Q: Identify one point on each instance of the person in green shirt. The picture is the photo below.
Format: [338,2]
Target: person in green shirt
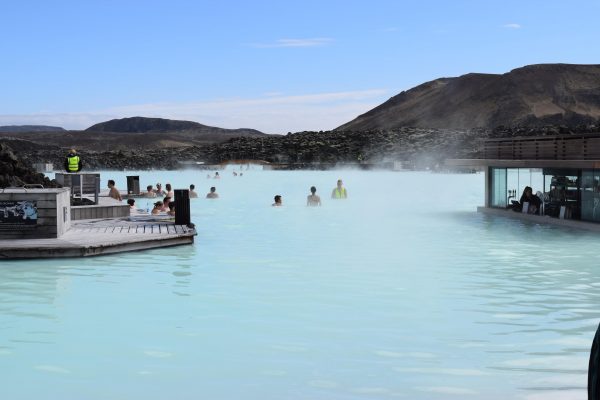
[339,192]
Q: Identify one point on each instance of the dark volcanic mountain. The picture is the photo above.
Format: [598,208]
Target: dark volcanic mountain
[161,125]
[535,95]
[30,128]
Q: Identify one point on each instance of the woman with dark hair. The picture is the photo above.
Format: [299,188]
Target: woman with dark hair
[528,197]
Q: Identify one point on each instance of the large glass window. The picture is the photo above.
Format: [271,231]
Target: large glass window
[498,191]
[590,195]
[562,195]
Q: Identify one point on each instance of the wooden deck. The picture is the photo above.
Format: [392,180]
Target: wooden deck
[102,236]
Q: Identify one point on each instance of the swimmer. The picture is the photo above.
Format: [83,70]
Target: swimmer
[212,194]
[193,194]
[278,202]
[339,192]
[157,208]
[170,192]
[166,202]
[171,209]
[312,199]
[149,192]
[159,190]
[114,192]
[217,176]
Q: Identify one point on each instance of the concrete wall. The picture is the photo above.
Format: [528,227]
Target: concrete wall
[52,210]
[95,212]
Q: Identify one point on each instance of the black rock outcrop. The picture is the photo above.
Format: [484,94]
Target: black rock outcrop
[15,172]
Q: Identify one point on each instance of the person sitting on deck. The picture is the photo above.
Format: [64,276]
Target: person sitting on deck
[339,192]
[149,192]
[528,197]
[213,193]
[157,208]
[114,192]
[193,194]
[313,199]
[73,162]
[166,202]
[171,209]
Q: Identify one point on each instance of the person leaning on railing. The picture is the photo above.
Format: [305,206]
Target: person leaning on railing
[73,162]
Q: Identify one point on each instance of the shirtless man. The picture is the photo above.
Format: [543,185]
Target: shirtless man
[193,193]
[278,202]
[312,199]
[149,192]
[114,192]
[213,193]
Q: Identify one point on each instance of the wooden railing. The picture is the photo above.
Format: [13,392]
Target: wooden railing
[572,147]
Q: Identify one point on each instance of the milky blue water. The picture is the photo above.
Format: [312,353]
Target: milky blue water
[401,291]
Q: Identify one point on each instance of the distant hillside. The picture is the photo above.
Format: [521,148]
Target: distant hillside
[136,133]
[160,125]
[30,128]
[535,95]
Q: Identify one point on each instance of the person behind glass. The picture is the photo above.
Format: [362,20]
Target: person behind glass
[277,200]
[528,197]
[73,162]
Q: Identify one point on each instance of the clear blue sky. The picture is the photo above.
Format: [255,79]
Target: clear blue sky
[277,66]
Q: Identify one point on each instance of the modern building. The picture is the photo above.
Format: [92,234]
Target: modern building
[563,170]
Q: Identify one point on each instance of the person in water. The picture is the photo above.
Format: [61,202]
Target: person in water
[114,192]
[166,202]
[217,176]
[340,191]
[212,194]
[157,208]
[171,211]
[312,199]
[159,190]
[278,202]
[193,194]
[149,192]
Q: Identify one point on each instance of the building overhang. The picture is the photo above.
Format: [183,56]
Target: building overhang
[575,164]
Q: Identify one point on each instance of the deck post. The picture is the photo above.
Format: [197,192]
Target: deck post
[182,207]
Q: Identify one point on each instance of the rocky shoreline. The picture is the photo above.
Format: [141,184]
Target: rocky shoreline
[418,147]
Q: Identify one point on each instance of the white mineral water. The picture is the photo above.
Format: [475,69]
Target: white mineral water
[401,291]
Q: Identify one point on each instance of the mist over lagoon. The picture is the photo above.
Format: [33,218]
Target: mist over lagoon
[400,290]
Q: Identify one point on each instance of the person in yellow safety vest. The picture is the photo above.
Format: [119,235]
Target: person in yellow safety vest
[340,191]
[73,162]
